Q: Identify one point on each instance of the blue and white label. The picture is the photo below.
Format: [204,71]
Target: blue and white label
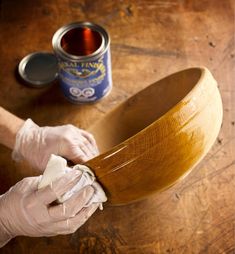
[86,81]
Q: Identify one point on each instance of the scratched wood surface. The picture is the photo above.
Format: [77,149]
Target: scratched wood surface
[150,39]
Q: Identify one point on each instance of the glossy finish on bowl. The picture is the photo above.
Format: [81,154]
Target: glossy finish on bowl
[157,136]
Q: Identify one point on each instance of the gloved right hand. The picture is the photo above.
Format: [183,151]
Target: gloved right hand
[25,210]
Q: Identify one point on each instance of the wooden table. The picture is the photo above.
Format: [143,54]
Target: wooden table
[150,39]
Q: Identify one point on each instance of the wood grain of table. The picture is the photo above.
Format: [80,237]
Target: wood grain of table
[149,40]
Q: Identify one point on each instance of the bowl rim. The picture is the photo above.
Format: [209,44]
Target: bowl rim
[204,72]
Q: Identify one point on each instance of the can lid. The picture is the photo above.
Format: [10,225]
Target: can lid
[39,69]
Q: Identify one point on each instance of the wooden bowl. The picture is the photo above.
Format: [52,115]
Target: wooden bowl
[157,136]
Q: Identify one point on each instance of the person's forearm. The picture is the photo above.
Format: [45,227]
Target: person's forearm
[9,126]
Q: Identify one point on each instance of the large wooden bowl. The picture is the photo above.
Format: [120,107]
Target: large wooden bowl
[157,136]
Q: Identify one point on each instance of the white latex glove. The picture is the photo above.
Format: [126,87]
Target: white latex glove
[25,210]
[36,144]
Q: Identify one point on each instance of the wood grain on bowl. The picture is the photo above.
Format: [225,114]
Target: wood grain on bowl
[157,136]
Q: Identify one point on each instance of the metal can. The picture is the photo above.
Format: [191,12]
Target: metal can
[84,61]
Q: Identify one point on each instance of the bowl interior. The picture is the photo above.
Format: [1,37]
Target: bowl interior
[144,108]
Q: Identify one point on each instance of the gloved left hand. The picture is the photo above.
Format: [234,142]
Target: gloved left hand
[25,210]
[36,144]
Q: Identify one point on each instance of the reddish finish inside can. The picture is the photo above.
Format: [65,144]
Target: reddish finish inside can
[81,41]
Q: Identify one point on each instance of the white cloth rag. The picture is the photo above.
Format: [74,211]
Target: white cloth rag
[57,166]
